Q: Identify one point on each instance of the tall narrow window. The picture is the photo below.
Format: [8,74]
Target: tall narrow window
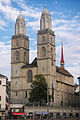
[17,43]
[43,52]
[24,56]
[30,76]
[52,55]
[16,94]
[26,94]
[0,82]
[0,98]
[17,55]
[0,106]
[43,38]
[51,40]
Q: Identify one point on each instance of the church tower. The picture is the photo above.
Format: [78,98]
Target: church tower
[46,56]
[19,57]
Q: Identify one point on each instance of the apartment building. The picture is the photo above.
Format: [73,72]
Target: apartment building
[3,95]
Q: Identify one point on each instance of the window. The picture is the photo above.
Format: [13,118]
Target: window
[7,90]
[30,76]
[6,99]
[52,55]
[16,83]
[0,97]
[17,43]
[0,82]
[6,107]
[14,110]
[43,52]
[51,40]
[16,94]
[0,106]
[61,103]
[17,55]
[43,38]
[24,56]
[26,94]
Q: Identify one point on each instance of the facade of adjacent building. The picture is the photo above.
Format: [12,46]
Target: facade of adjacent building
[77,94]
[23,73]
[3,95]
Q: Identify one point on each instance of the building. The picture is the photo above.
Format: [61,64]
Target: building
[3,95]
[23,73]
[77,95]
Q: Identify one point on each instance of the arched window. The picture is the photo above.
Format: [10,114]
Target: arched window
[17,55]
[43,38]
[30,76]
[51,40]
[43,52]
[17,43]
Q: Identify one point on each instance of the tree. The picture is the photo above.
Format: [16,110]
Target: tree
[38,92]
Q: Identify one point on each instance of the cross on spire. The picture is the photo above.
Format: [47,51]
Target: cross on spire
[45,5]
[20,12]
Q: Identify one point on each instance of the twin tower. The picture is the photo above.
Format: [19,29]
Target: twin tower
[23,73]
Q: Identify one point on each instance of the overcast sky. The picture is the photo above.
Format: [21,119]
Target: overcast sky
[65,16]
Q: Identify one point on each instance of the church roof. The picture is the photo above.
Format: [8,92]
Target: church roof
[58,69]
[20,17]
[33,64]
[2,75]
[45,11]
[63,71]
[78,77]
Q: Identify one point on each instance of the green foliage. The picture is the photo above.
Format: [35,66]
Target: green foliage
[38,92]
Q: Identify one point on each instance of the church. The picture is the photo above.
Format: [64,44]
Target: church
[23,73]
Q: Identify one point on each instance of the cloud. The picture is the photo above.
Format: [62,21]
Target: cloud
[29,11]
[7,2]
[8,11]
[2,24]
[32,55]
[34,24]
[5,59]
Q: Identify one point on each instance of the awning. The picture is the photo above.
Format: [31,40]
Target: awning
[45,113]
[38,113]
[17,113]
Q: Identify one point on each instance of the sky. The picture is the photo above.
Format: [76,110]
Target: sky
[65,16]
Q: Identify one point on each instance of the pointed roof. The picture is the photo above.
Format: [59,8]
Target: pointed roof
[45,21]
[45,11]
[58,69]
[1,75]
[62,57]
[20,17]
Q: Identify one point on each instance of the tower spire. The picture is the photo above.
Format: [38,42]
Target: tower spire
[62,57]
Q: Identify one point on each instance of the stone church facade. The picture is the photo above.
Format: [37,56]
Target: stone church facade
[23,73]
